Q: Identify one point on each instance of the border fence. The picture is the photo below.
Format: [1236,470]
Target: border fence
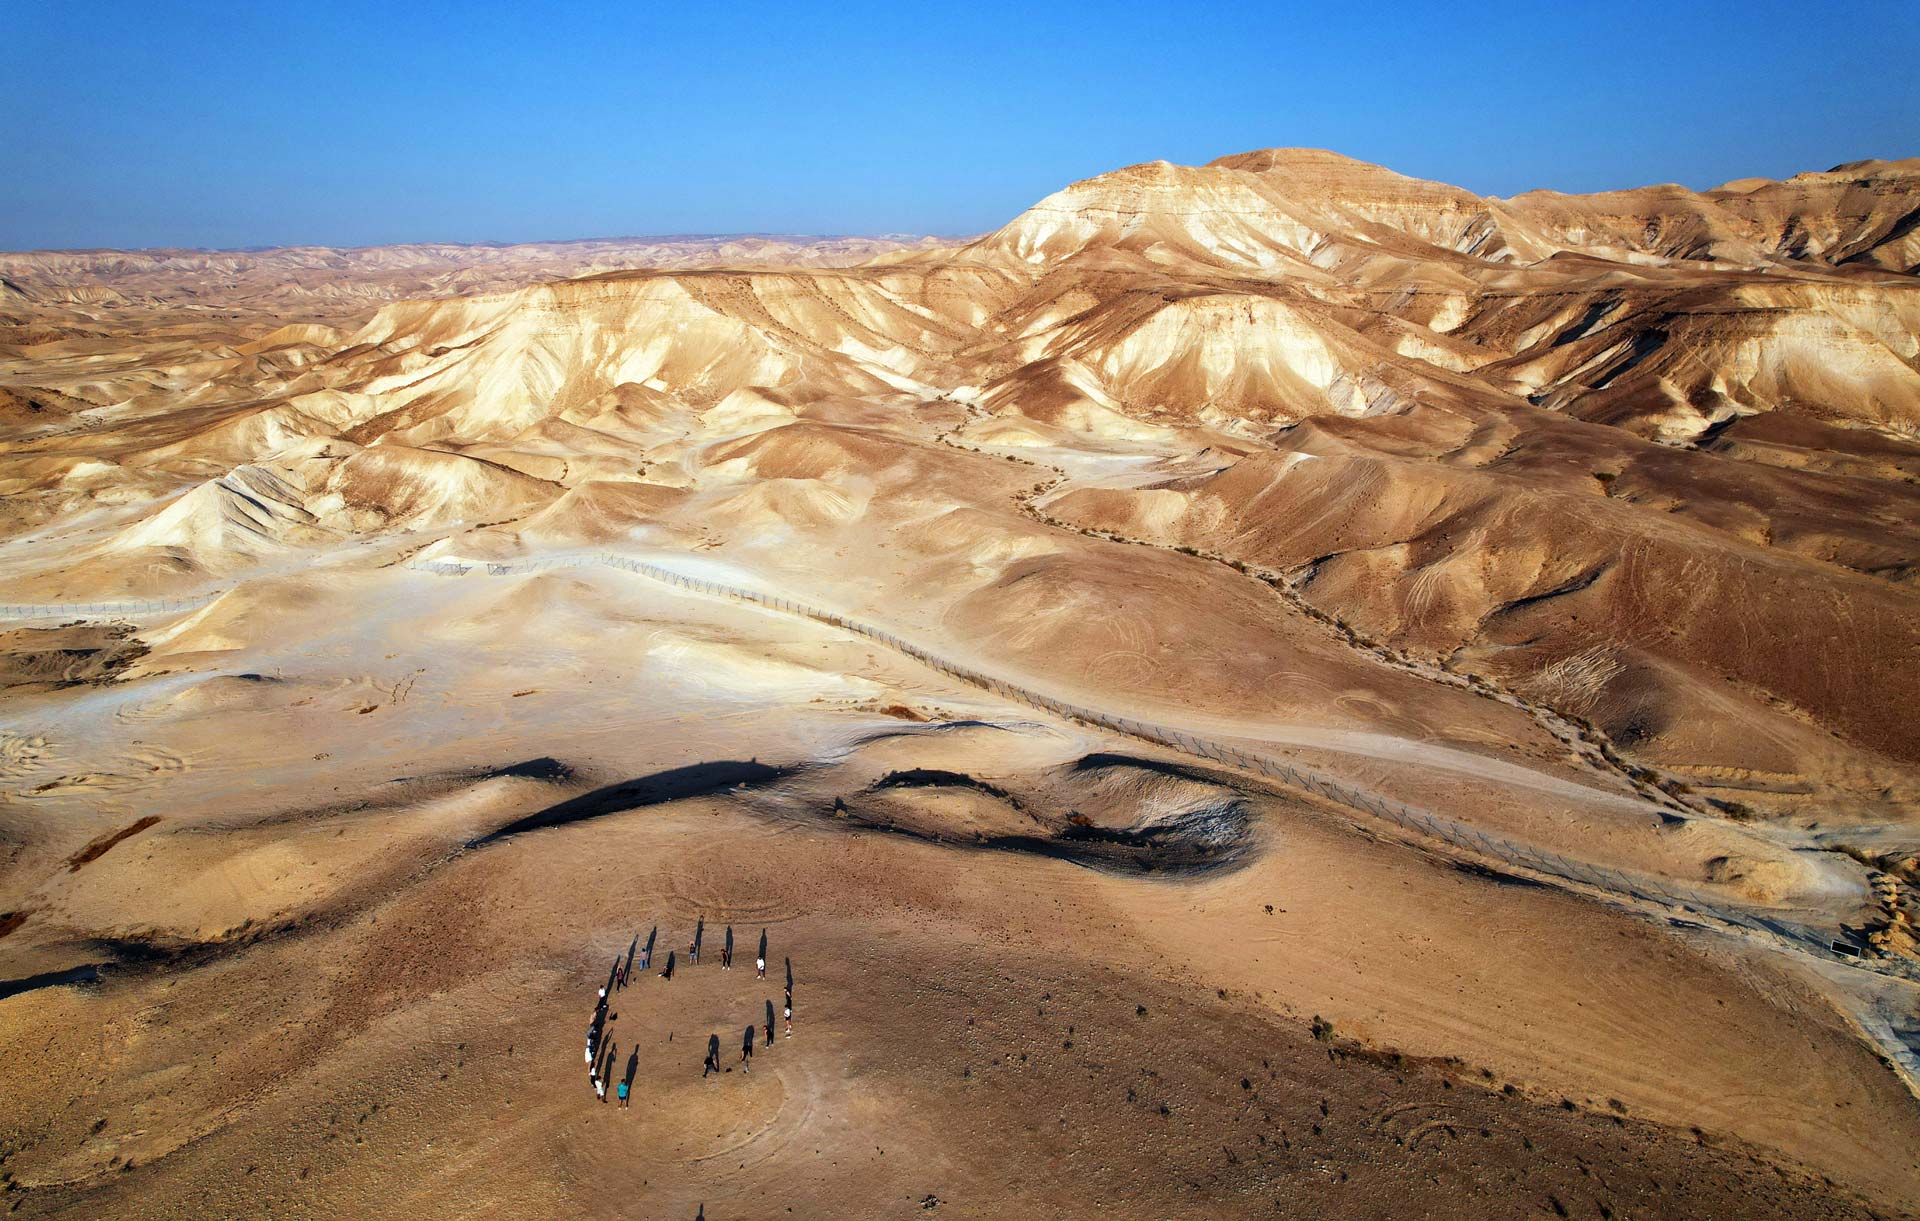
[130,609]
[1680,901]
[1681,904]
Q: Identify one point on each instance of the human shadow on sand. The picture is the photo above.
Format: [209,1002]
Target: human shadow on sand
[676,784]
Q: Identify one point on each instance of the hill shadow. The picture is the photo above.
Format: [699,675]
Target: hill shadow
[675,784]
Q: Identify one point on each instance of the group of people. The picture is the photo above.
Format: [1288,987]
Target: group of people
[712,1064]
[639,957]
[599,1069]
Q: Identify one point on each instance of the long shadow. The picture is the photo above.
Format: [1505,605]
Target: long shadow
[544,768]
[676,784]
[1499,877]
[90,973]
[598,1029]
[401,790]
[132,956]
[1207,840]
[880,735]
[933,777]
[1101,760]
[1168,851]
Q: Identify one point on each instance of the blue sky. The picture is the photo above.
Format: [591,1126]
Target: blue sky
[188,124]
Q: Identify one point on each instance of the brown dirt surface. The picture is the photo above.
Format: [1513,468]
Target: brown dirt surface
[71,656]
[1583,525]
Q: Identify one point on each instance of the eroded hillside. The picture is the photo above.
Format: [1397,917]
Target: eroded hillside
[1647,458]
[1589,523]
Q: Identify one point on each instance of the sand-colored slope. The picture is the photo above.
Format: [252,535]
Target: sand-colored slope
[1693,632]
[1585,522]
[324,919]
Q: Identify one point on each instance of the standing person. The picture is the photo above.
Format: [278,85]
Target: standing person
[746,1052]
[769,1021]
[666,972]
[712,1064]
[726,951]
[646,954]
[788,1014]
[620,1092]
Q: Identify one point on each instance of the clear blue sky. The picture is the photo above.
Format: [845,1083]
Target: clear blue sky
[176,123]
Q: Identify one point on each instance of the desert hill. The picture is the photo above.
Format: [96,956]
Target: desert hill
[1430,410]
[1459,424]
[310,277]
[1588,522]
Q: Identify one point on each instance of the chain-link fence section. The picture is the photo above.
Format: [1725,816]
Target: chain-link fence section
[130,609]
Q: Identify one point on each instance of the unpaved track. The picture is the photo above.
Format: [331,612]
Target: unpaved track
[1678,902]
[1643,894]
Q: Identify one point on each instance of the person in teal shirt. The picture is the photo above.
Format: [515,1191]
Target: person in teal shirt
[621,1092]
